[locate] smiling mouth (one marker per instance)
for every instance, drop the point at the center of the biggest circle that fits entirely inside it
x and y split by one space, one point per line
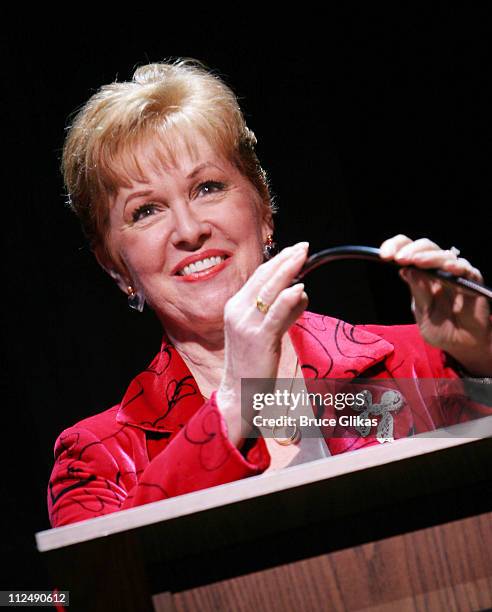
202 265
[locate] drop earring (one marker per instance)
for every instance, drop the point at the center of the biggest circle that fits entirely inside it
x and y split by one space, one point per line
269 248
135 299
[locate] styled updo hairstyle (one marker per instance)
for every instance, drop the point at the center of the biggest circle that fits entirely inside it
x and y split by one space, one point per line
163 103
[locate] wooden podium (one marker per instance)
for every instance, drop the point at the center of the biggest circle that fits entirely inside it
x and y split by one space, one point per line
405 526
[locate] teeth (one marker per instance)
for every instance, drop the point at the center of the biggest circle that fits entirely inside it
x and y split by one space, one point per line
202 264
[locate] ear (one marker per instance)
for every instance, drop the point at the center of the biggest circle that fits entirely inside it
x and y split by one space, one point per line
121 277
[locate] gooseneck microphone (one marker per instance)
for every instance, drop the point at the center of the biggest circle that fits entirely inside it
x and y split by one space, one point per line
373 254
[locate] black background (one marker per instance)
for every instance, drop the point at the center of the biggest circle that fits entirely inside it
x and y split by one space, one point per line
368 125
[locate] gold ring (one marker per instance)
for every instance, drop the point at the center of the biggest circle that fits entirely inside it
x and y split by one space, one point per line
261 305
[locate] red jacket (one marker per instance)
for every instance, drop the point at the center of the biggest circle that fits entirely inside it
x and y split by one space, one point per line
164 440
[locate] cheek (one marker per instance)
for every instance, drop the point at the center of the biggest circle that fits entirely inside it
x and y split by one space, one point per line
252 253
145 252
256 232
247 222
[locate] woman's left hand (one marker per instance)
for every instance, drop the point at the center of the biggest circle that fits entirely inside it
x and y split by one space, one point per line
452 319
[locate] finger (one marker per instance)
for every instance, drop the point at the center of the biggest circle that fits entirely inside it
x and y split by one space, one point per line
389 247
408 251
423 288
261 275
280 278
432 258
264 270
288 306
462 267
296 311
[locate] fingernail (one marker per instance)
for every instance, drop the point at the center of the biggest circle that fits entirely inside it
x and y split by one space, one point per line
301 246
452 263
299 287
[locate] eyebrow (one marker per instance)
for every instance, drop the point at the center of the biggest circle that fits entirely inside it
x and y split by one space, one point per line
137 194
192 174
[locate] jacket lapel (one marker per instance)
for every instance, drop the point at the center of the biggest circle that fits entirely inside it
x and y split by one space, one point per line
164 396
330 348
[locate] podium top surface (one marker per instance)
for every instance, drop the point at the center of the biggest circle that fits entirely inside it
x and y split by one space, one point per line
266 484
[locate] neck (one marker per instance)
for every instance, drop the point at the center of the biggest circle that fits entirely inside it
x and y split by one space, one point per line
204 356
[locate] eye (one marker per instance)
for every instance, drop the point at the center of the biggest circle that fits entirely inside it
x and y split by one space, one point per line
145 210
209 187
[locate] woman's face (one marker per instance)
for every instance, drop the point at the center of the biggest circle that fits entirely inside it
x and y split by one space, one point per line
189 236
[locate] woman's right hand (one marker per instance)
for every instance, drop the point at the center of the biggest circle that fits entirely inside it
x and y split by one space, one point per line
253 339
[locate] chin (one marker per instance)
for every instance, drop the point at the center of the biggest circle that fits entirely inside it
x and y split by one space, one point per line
216 295
205 308
205 311
212 316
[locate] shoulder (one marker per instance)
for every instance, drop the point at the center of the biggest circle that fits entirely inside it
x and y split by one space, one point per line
99 434
94 468
100 424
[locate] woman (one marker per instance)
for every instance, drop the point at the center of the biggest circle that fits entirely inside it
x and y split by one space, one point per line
164 177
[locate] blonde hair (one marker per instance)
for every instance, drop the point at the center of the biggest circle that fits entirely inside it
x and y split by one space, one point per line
164 102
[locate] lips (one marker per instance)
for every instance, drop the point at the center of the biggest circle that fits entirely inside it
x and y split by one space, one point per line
201 266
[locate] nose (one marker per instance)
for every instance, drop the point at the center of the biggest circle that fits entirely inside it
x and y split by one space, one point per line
190 230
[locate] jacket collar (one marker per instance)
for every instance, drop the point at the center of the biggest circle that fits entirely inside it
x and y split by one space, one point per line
165 395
